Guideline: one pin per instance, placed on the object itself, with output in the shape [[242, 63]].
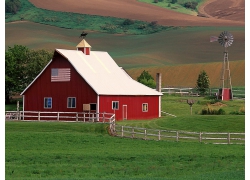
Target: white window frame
[[146, 107], [45, 103], [114, 103], [71, 102]]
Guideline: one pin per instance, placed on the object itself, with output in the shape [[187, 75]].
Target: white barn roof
[[102, 73]]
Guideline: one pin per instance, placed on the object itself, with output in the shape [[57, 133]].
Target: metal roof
[[102, 73]]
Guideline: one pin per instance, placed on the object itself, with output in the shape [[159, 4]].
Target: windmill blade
[[213, 38], [225, 39]]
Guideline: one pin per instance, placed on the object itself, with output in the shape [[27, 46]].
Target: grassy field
[[70, 20], [175, 7], [52, 150], [184, 121], [84, 151]]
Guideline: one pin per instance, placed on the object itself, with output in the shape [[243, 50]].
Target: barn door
[[124, 112]]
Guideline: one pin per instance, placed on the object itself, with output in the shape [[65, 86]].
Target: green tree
[[191, 5], [146, 79], [21, 67], [173, 1], [12, 6], [203, 83]]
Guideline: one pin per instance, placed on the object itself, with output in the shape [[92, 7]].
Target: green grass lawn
[[177, 105], [47, 150]]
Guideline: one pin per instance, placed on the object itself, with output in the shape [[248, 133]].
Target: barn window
[[115, 104], [71, 102], [145, 107], [92, 107], [47, 102]]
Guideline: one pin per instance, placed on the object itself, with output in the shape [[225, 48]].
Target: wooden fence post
[[145, 134], [93, 117], [76, 116], [103, 118], [133, 130], [58, 116], [159, 135], [228, 138], [177, 136], [200, 137], [122, 131], [38, 115], [83, 116]]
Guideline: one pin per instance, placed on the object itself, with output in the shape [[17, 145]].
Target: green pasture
[[177, 105], [47, 150], [69, 20], [178, 7]]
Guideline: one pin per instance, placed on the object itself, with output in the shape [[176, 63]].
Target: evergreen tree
[[203, 83], [146, 79]]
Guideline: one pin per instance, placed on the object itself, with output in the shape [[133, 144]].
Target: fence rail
[[60, 116], [205, 137], [192, 92]]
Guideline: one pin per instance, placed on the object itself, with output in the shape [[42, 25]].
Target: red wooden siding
[[134, 106], [59, 91], [85, 50]]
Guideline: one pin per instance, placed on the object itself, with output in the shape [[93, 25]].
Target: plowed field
[[220, 12]]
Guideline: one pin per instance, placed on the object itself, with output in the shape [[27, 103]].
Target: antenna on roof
[[83, 35]]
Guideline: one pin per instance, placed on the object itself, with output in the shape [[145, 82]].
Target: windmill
[[225, 91]]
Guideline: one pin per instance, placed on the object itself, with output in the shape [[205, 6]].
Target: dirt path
[[202, 8], [133, 9]]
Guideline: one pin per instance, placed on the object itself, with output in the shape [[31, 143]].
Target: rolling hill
[[179, 48]]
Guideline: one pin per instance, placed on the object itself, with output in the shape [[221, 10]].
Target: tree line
[[22, 65]]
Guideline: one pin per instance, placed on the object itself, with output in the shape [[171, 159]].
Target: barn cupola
[[84, 47]]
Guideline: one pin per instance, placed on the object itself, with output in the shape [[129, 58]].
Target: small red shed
[[74, 78]]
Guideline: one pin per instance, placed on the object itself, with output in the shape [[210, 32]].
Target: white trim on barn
[[36, 77]]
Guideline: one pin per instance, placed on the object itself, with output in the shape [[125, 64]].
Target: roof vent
[[84, 47]]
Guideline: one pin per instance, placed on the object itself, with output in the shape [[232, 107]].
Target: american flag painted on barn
[[60, 74]]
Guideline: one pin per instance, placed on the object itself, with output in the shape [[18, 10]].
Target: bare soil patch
[[133, 9], [225, 9]]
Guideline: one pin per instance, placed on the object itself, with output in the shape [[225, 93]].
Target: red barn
[[74, 78]]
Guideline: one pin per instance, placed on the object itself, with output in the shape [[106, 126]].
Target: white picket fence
[[206, 137], [60, 116]]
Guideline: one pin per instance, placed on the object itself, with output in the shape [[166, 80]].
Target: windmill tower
[[225, 91]]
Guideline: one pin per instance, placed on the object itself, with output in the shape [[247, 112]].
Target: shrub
[[153, 23], [240, 112], [109, 27], [127, 22], [210, 111], [142, 26], [190, 5]]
